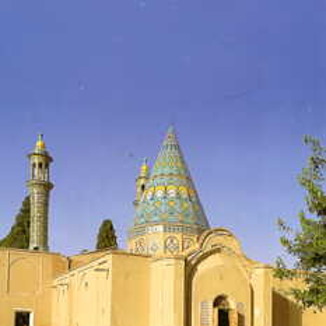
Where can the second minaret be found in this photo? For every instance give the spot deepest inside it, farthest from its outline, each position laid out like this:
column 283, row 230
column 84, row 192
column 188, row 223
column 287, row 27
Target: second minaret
column 39, row 186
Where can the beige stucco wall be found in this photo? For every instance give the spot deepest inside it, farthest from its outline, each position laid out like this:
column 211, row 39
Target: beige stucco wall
column 83, row 296
column 167, row 291
column 286, row 312
column 130, row 290
column 110, row 290
column 261, row 282
column 25, row 283
column 117, row 288
column 85, row 258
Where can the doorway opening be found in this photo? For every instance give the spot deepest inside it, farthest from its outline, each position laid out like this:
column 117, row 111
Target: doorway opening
column 223, row 317
column 23, row 318
column 221, row 311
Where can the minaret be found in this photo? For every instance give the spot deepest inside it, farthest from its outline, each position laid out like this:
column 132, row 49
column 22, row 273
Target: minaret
column 141, row 181
column 39, row 186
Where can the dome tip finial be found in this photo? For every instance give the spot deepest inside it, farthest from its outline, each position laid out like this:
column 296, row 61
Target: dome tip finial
column 40, row 144
column 171, row 129
column 144, row 169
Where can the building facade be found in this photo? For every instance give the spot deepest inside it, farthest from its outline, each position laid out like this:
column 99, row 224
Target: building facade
column 176, row 271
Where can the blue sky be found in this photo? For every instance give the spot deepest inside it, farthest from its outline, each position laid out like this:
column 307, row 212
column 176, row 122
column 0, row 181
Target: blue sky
column 242, row 81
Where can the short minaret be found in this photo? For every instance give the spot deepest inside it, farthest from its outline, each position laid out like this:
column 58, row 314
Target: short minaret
column 39, row 186
column 141, row 181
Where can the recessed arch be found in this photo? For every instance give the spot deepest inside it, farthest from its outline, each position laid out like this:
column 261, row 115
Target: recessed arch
column 210, row 281
column 24, row 275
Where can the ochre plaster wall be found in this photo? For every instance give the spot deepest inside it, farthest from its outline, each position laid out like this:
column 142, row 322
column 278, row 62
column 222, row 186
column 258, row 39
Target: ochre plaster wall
column 116, row 288
column 111, row 290
column 286, row 312
column 25, row 284
column 85, row 258
column 83, row 296
column 130, row 290
column 167, row 291
column 261, row 282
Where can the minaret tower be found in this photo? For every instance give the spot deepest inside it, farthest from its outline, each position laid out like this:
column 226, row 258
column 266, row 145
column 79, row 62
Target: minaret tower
column 141, row 181
column 39, row 186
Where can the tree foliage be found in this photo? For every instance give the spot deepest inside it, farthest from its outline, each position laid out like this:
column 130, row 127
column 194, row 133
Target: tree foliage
column 307, row 245
column 106, row 237
column 18, row 237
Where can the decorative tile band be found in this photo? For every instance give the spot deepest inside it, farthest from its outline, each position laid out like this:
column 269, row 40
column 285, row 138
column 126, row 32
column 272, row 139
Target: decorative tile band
column 159, row 228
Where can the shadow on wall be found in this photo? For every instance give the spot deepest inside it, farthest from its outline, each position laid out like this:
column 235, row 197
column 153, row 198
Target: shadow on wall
column 241, row 320
column 285, row 311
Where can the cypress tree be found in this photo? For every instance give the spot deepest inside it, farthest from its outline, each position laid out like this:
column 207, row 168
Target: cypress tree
column 18, row 237
column 106, row 237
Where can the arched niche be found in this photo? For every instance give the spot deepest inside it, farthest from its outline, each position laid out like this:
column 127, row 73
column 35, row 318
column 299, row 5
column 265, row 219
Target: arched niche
column 24, row 276
column 211, row 277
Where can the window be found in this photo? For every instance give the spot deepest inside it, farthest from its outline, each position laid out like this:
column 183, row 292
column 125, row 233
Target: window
column 22, row 318
column 33, row 170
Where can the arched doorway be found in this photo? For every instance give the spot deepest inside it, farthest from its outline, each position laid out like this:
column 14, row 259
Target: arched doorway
column 221, row 309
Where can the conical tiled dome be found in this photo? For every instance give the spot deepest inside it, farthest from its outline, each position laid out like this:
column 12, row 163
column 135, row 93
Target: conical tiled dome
column 170, row 195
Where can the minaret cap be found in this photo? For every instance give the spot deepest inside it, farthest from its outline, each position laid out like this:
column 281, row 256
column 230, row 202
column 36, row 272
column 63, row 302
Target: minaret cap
column 144, row 169
column 40, row 144
column 40, row 147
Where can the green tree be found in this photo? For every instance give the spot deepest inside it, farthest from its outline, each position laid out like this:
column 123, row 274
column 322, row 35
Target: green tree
column 307, row 244
column 106, row 237
column 18, row 237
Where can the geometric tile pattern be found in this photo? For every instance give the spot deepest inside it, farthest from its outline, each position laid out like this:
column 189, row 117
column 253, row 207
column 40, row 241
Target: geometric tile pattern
column 140, row 246
column 172, row 245
column 170, row 195
column 154, row 247
column 187, row 243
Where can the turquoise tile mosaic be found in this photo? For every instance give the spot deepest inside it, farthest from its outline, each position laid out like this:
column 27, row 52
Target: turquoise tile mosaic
column 170, row 195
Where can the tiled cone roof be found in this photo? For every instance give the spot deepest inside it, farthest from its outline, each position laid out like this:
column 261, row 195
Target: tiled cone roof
column 170, row 195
